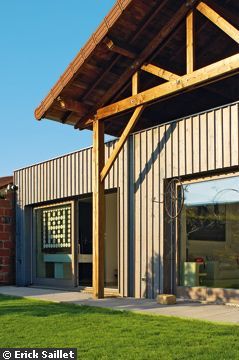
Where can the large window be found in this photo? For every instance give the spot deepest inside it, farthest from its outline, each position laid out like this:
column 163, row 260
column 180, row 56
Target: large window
column 53, row 242
column 209, row 234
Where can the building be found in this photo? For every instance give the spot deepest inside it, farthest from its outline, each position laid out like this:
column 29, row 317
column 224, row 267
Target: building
column 7, row 231
column 164, row 197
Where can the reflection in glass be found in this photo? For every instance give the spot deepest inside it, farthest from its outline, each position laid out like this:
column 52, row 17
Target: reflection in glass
column 209, row 234
column 53, row 242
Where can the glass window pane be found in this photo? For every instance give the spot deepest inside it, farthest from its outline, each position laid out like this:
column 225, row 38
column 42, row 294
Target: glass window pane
column 53, row 242
column 209, row 234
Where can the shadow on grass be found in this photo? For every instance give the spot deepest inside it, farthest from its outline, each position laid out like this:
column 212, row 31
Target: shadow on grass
column 39, row 308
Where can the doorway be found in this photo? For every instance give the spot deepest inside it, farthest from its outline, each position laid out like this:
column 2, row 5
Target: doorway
column 85, row 241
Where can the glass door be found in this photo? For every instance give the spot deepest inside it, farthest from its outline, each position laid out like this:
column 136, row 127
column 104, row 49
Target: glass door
column 53, row 239
column 85, row 242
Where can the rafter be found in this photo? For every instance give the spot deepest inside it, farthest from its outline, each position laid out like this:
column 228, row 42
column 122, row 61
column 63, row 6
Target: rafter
column 218, row 20
column 159, row 38
column 157, row 71
column 205, row 75
column 154, row 13
column 121, row 49
column 72, row 105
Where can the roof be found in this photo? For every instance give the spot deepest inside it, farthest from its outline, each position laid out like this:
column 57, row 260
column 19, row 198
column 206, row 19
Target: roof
column 99, row 75
column 6, row 180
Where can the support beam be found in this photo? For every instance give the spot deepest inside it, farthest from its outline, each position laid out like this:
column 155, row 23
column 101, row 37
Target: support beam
column 218, row 20
column 157, row 71
column 72, row 105
column 120, row 49
column 158, row 40
column 190, row 42
column 98, row 210
column 135, row 83
column 119, row 145
column 205, row 75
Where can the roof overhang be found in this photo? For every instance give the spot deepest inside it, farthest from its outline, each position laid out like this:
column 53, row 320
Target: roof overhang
column 134, row 35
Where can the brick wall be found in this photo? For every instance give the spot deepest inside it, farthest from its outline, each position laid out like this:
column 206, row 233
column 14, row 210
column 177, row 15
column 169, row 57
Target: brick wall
column 7, row 240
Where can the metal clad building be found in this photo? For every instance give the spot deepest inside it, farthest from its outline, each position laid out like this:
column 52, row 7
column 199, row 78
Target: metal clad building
column 205, row 143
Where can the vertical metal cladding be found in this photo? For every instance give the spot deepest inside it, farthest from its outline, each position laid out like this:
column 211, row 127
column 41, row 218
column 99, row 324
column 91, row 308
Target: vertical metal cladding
column 64, row 177
column 201, row 143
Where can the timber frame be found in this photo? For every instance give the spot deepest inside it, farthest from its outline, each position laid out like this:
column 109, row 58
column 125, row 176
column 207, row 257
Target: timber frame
column 173, row 85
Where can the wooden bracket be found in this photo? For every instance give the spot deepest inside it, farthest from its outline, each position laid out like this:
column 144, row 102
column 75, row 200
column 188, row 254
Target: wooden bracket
column 218, row 20
column 128, row 129
column 157, row 71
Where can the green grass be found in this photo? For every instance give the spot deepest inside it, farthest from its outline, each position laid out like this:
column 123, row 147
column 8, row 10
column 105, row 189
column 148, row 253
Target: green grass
column 106, row 334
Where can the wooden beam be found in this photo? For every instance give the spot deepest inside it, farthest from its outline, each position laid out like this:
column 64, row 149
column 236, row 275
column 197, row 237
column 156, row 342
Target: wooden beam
column 119, row 145
column 205, row 75
column 135, row 83
column 157, row 71
column 120, row 49
column 190, row 42
column 159, row 39
column 98, row 210
column 218, row 20
column 72, row 105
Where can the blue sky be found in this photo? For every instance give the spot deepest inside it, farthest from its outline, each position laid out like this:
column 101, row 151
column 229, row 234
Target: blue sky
column 38, row 39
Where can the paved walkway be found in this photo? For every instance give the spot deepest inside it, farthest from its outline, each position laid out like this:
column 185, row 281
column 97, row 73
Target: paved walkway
column 218, row 313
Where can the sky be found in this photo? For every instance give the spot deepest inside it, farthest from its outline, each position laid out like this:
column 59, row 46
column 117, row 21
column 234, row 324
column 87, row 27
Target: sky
column 38, row 40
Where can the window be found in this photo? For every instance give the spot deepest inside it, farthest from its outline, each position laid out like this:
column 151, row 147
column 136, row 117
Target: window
column 209, row 234
column 53, row 242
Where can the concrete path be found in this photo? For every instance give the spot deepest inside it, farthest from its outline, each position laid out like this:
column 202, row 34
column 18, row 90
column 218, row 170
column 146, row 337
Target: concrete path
column 217, row 313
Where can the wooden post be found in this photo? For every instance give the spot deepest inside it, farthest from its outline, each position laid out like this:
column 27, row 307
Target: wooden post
column 190, row 42
column 98, row 210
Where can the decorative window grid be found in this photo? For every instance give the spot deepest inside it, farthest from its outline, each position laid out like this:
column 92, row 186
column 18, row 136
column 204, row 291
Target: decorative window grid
column 57, row 228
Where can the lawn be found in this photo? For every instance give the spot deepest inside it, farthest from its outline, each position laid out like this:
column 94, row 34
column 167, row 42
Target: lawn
column 106, row 334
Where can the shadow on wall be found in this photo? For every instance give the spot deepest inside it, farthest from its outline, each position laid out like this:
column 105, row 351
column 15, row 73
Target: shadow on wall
column 150, row 279
column 154, row 156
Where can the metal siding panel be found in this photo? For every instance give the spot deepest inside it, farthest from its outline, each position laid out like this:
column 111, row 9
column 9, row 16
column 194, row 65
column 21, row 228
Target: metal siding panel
column 78, row 174
column 161, row 218
column 73, row 176
column 189, row 148
column 45, row 182
column 156, row 206
column 144, row 216
column 86, row 174
column 168, row 159
column 181, row 135
column 234, row 134
column 137, row 227
column 125, row 214
column 175, row 149
column 219, row 138
column 203, row 143
column 149, row 218
column 42, row 182
column 196, row 147
column 211, row 140
column 226, row 137
column 121, row 226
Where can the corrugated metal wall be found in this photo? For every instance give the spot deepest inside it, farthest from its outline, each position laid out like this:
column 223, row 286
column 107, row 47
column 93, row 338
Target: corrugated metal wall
column 65, row 177
column 200, row 143
column 204, row 142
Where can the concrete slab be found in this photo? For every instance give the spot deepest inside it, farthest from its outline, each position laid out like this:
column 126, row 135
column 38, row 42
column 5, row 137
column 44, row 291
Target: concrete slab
column 183, row 309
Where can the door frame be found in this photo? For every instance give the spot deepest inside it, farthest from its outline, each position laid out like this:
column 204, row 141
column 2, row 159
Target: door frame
column 87, row 196
column 53, row 282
